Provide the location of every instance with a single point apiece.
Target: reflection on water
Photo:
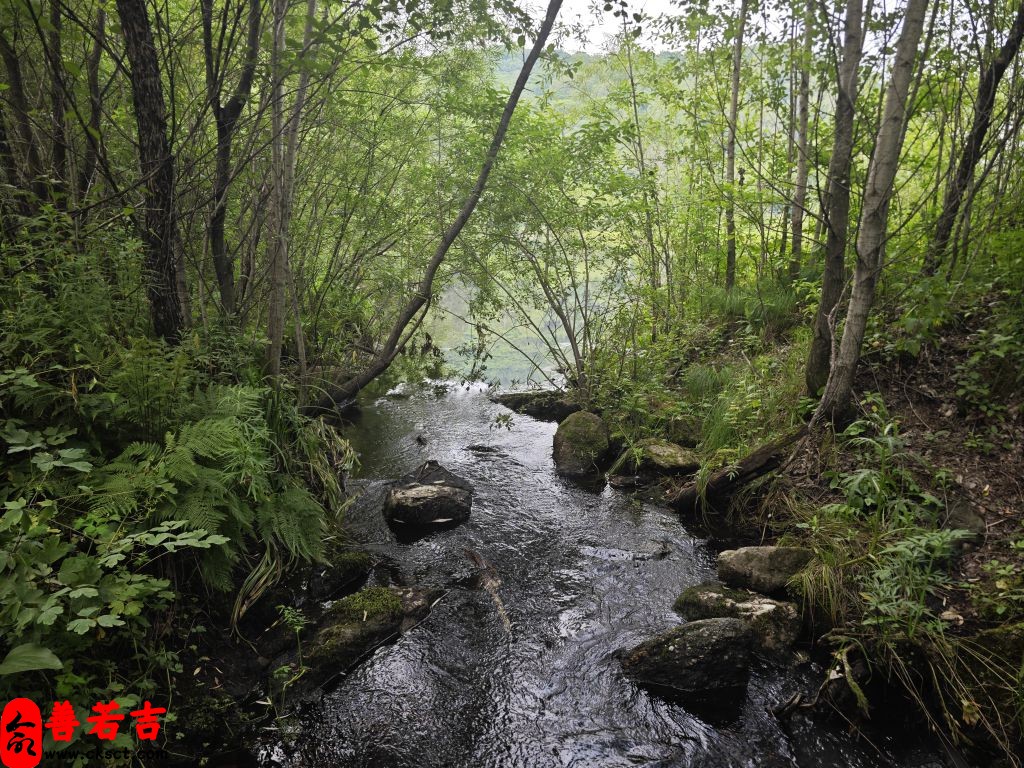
(582, 575)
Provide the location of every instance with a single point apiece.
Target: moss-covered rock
(357, 624)
(775, 624)
(372, 602)
(762, 569)
(655, 456)
(700, 662)
(581, 444)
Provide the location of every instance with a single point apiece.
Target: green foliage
(128, 468)
(994, 369)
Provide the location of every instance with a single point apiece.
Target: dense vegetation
(222, 220)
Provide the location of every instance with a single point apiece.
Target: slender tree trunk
(277, 239)
(837, 400)
(790, 140)
(800, 192)
(160, 236)
(836, 208)
(226, 118)
(398, 337)
(284, 153)
(92, 149)
(31, 165)
(646, 191)
(730, 151)
(988, 85)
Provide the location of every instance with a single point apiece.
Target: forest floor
(975, 458)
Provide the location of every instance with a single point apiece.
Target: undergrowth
(135, 475)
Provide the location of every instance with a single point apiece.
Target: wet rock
(544, 405)
(654, 456)
(762, 569)
(960, 516)
(775, 624)
(703, 662)
(428, 499)
(580, 445)
(362, 621)
(625, 482)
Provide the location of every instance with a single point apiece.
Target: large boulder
(775, 624)
(544, 404)
(655, 456)
(427, 499)
(702, 662)
(762, 569)
(581, 444)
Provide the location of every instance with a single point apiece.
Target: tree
(835, 208)
(802, 159)
(163, 267)
(411, 312)
(837, 399)
(225, 118)
(730, 150)
(973, 148)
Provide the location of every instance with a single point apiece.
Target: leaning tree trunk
(398, 337)
(837, 400)
(836, 207)
(988, 85)
(160, 234)
(730, 151)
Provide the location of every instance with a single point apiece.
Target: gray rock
(762, 569)
(581, 445)
(960, 516)
(430, 497)
(656, 456)
(701, 660)
(775, 624)
(544, 405)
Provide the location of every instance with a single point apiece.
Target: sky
(601, 24)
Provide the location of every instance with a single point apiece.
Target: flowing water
(583, 573)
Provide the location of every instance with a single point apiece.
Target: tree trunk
(160, 236)
(92, 148)
(730, 151)
(800, 192)
(837, 400)
(31, 165)
(285, 148)
(988, 85)
(277, 239)
(836, 207)
(398, 337)
(226, 118)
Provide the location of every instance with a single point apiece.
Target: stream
(583, 573)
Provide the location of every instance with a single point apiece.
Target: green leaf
(29, 657)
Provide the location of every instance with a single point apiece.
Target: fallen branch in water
(490, 582)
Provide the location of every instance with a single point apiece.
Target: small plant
(1000, 594)
(296, 621)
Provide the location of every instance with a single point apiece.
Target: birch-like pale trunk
(837, 399)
